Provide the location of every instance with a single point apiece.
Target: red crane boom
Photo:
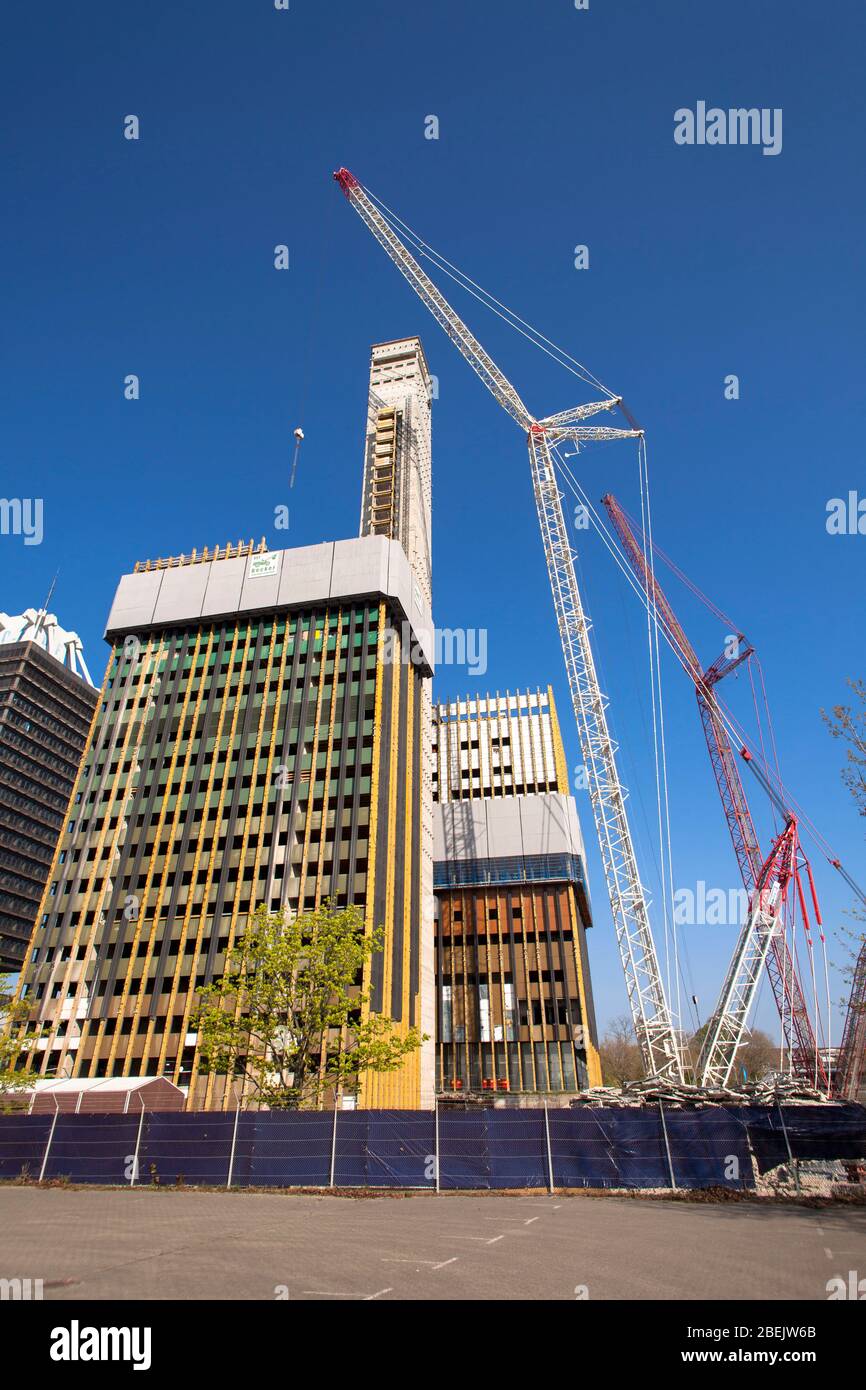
(781, 969)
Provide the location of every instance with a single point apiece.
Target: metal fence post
(791, 1157)
(50, 1137)
(549, 1151)
(667, 1146)
(436, 1139)
(234, 1144)
(334, 1146)
(134, 1174)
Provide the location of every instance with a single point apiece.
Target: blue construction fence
(649, 1147)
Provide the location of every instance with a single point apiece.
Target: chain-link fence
(654, 1146)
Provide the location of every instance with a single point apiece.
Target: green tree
(620, 1055)
(12, 1014)
(287, 1013)
(757, 1055)
(848, 723)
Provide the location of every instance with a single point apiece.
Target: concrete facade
(515, 1000)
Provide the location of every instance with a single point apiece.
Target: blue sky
(155, 257)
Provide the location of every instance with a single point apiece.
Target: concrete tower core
(396, 498)
(396, 501)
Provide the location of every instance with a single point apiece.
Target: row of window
(182, 746)
(446, 942)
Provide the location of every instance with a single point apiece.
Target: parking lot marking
(406, 1260)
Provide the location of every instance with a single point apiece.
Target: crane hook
(299, 435)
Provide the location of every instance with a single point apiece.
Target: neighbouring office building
(46, 707)
(515, 1001)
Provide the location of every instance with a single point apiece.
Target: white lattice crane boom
(628, 902)
(726, 1028)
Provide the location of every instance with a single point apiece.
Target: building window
(446, 1014)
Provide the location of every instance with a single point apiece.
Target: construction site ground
(167, 1243)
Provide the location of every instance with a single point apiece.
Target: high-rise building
(46, 707)
(252, 746)
(264, 736)
(515, 1002)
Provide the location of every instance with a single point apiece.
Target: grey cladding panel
(223, 593)
(505, 827)
(460, 830)
(545, 824)
(262, 590)
(306, 574)
(501, 827)
(134, 601)
(181, 593)
(360, 569)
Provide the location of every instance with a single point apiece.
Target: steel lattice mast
(629, 908)
(851, 1066)
(763, 925)
(781, 969)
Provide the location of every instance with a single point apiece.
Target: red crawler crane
(787, 991)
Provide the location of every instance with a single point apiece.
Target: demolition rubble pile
(652, 1089)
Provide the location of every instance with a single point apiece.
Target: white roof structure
(89, 1083)
(92, 1095)
(40, 626)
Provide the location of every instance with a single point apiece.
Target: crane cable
(773, 774)
(769, 776)
(684, 578)
(650, 618)
(657, 724)
(631, 580)
(829, 1067)
(759, 722)
(643, 453)
(648, 843)
(533, 335)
